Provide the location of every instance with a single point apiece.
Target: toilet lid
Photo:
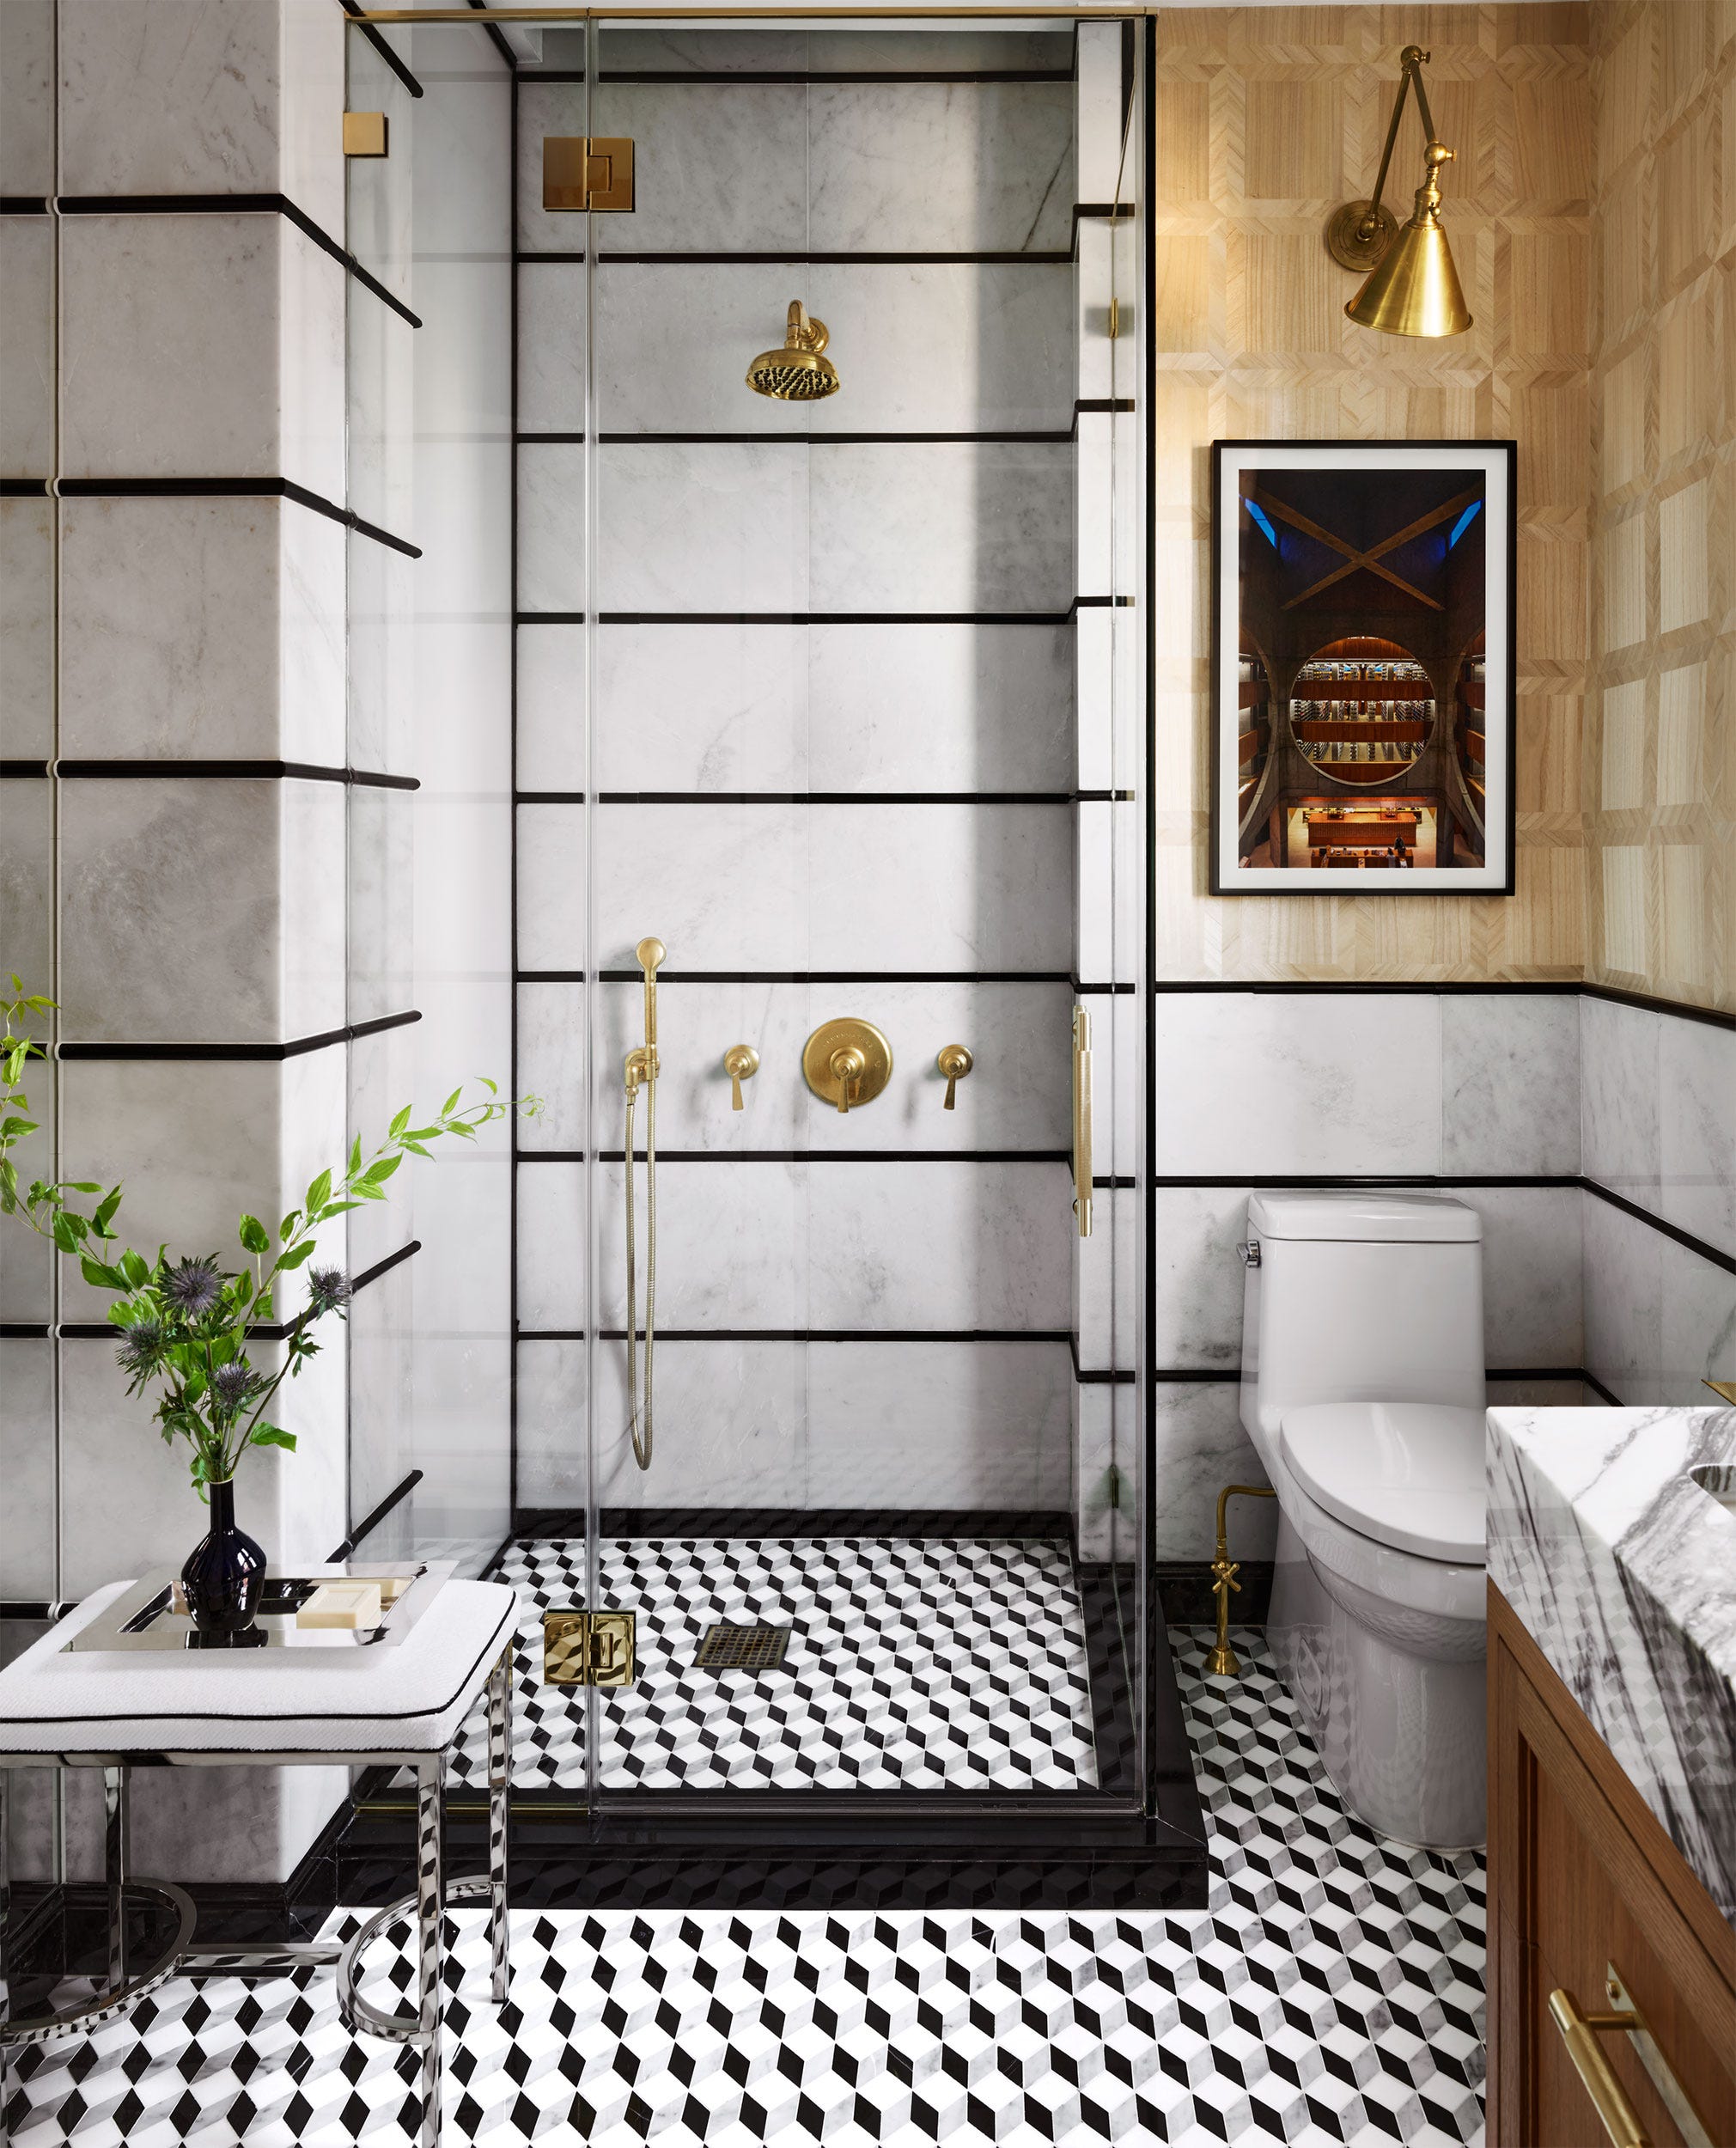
(1407, 1473)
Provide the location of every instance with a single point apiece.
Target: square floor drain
(742, 1647)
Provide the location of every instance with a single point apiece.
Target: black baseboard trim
(877, 1524)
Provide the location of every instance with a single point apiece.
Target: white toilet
(1363, 1391)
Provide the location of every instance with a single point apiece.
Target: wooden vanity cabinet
(1582, 1876)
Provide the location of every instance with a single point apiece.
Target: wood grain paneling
(1660, 730)
(1251, 342)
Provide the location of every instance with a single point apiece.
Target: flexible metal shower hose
(641, 1447)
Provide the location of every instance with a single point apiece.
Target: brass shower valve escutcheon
(954, 1061)
(847, 1063)
(740, 1064)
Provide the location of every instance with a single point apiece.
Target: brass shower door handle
(1082, 1119)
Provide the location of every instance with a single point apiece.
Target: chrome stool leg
(499, 1801)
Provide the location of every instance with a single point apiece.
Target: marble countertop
(1623, 1571)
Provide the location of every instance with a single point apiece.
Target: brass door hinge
(588, 171)
(588, 1648)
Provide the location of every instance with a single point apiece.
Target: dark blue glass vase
(225, 1575)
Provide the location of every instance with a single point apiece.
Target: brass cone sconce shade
(1412, 287)
(798, 372)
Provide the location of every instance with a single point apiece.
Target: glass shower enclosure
(745, 436)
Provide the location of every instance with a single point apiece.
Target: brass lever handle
(956, 1062)
(740, 1064)
(1579, 2033)
(848, 1066)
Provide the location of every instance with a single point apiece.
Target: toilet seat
(1407, 1474)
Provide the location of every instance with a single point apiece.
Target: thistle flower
(191, 1288)
(231, 1385)
(140, 1344)
(329, 1289)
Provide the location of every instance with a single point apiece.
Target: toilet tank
(1359, 1298)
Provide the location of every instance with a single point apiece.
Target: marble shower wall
(832, 761)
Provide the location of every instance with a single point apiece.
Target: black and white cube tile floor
(910, 1666)
(1331, 1994)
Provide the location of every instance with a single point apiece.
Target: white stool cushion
(410, 1699)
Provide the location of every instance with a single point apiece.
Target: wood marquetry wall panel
(1660, 742)
(1266, 118)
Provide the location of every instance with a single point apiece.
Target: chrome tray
(150, 1618)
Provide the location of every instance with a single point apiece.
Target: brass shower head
(797, 373)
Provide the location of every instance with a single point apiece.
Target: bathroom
(687, 564)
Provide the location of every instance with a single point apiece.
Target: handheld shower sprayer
(641, 1070)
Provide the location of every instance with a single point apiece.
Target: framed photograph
(1362, 667)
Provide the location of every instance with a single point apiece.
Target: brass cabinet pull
(1579, 2033)
(1082, 1119)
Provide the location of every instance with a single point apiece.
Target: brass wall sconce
(740, 1064)
(1412, 287)
(956, 1062)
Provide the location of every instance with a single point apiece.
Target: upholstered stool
(397, 1706)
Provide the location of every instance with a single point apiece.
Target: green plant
(43, 1205)
(186, 1324)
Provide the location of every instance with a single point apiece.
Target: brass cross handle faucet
(849, 1063)
(956, 1062)
(740, 1064)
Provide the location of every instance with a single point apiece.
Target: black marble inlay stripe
(233, 205)
(813, 977)
(1009, 437)
(1717, 1017)
(719, 78)
(24, 205)
(232, 771)
(22, 770)
(843, 798)
(23, 488)
(1098, 1376)
(1713, 1253)
(355, 9)
(1054, 258)
(270, 1331)
(1083, 985)
(1366, 987)
(805, 1155)
(1206, 1375)
(293, 1048)
(1596, 1387)
(812, 1334)
(797, 619)
(230, 489)
(733, 1524)
(1102, 403)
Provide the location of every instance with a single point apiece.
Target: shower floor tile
(1330, 1993)
(910, 1665)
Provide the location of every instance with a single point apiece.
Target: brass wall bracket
(589, 1648)
(592, 171)
(1223, 1662)
(365, 134)
(847, 1062)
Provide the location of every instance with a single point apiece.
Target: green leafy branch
(187, 1325)
(43, 1203)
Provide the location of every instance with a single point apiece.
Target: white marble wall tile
(380, 213)
(939, 166)
(1510, 1082)
(382, 892)
(27, 343)
(1095, 1492)
(1696, 1128)
(844, 1245)
(551, 1248)
(730, 1427)
(1198, 1324)
(923, 888)
(183, 98)
(27, 1467)
(995, 339)
(27, 630)
(26, 1279)
(550, 1064)
(714, 527)
(26, 854)
(1106, 1281)
(383, 643)
(204, 346)
(905, 707)
(1619, 1086)
(1532, 1296)
(1093, 479)
(1298, 1082)
(196, 1143)
(938, 1424)
(26, 97)
(222, 868)
(383, 1076)
(1698, 1327)
(382, 362)
(1623, 1302)
(552, 527)
(1017, 1096)
(1094, 695)
(1198, 1446)
(716, 170)
(945, 527)
(552, 887)
(382, 1434)
(551, 350)
(550, 701)
(553, 1467)
(1097, 109)
(209, 630)
(463, 144)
